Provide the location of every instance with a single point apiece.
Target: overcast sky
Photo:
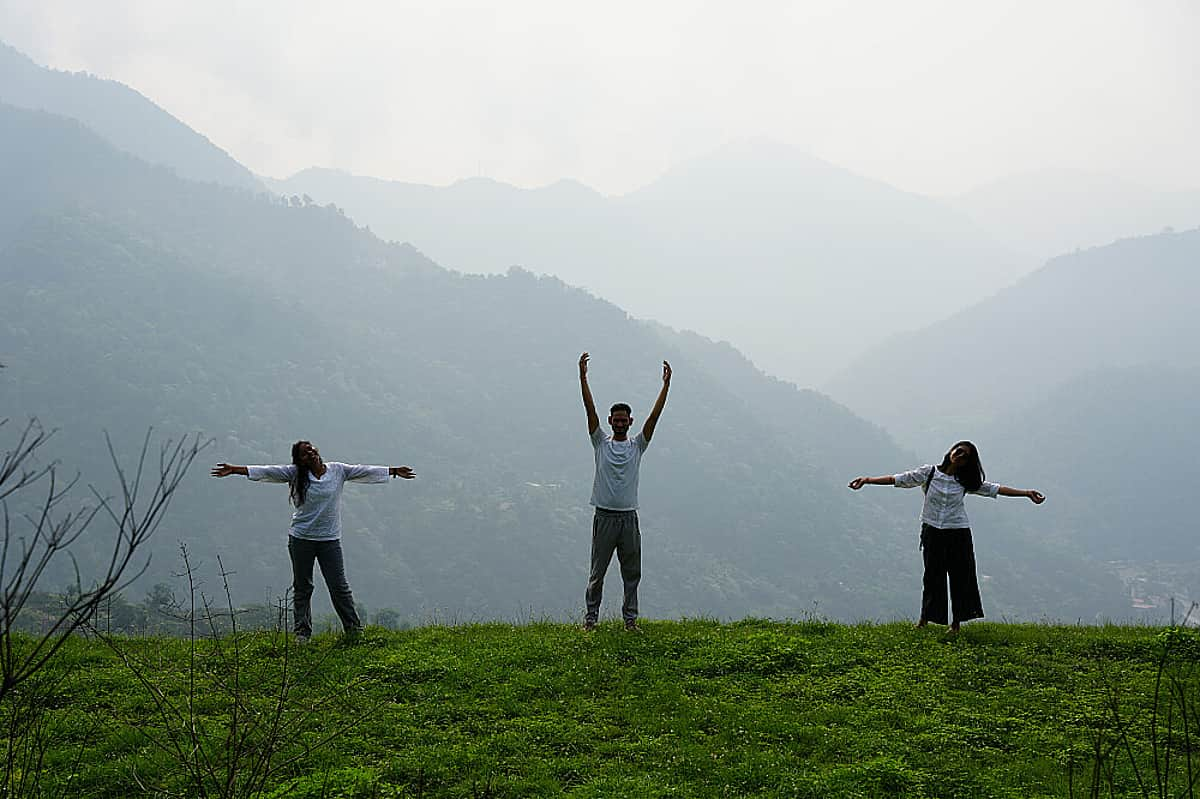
(934, 97)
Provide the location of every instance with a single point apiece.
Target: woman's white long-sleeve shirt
(319, 518)
(943, 506)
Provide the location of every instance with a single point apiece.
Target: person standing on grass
(315, 489)
(615, 497)
(946, 532)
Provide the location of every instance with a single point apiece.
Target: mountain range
(192, 305)
(846, 259)
(1127, 304)
(127, 119)
(132, 295)
(1052, 212)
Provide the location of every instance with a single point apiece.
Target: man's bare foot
(954, 627)
(921, 623)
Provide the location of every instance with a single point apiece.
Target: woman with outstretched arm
(946, 531)
(315, 489)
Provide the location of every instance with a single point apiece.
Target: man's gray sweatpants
(615, 529)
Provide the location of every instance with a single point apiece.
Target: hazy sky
(934, 97)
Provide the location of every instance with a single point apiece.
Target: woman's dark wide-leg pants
(949, 553)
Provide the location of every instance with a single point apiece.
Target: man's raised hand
(583, 364)
(666, 373)
(222, 470)
(402, 471)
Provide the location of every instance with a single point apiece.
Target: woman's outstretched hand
(858, 482)
(222, 470)
(401, 471)
(1037, 496)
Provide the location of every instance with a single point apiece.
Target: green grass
(689, 708)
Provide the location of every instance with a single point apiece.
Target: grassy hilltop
(690, 708)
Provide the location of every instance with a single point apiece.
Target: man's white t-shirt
(617, 463)
(320, 517)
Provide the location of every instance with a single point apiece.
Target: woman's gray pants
(615, 529)
(329, 554)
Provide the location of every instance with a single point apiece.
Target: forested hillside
(1111, 446)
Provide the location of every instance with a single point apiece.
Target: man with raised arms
(615, 497)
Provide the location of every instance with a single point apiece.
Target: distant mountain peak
(753, 153)
(8, 52)
(1052, 211)
(481, 180)
(321, 170)
(754, 147)
(760, 162)
(120, 114)
(1053, 181)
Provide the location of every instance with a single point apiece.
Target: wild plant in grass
(1154, 750)
(247, 709)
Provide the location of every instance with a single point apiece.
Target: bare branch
(24, 561)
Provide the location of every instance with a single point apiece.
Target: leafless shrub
(41, 535)
(217, 724)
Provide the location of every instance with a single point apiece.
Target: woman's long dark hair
(299, 484)
(970, 474)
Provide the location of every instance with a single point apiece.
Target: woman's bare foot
(921, 623)
(954, 627)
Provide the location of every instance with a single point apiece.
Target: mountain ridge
(843, 254)
(1051, 212)
(121, 115)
